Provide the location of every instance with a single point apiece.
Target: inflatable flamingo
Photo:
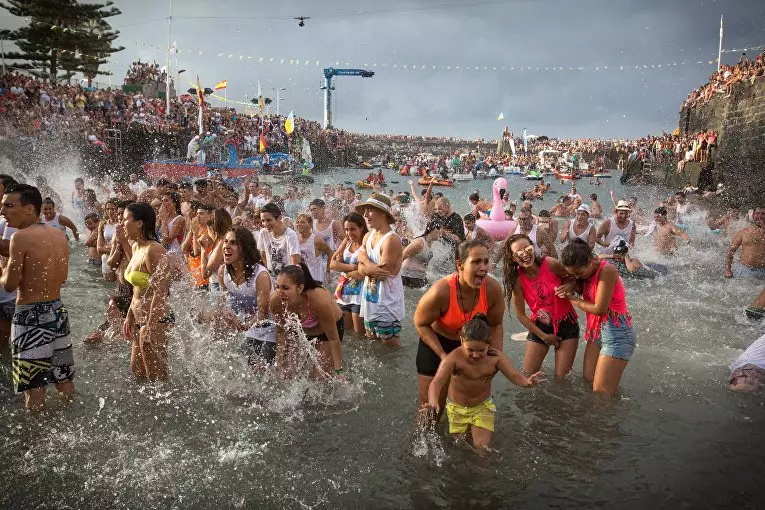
(497, 226)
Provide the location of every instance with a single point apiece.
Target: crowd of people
(723, 80)
(140, 73)
(332, 266)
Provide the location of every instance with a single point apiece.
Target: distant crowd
(723, 81)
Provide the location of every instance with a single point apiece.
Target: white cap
(585, 208)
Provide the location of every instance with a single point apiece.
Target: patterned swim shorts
(42, 349)
(383, 330)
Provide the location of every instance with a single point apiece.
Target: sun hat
(584, 207)
(378, 201)
(623, 205)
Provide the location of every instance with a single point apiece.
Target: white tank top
(54, 223)
(533, 236)
(109, 231)
(327, 234)
(583, 236)
(243, 300)
(470, 234)
(174, 246)
(614, 232)
(316, 264)
(5, 234)
(383, 300)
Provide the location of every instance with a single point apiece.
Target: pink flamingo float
(497, 226)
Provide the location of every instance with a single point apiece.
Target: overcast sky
(475, 33)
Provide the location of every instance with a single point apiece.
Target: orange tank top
(452, 321)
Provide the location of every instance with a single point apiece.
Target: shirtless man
(665, 233)
(618, 226)
(38, 266)
(751, 240)
(596, 211)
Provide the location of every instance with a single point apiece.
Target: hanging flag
(174, 48)
(500, 116)
(221, 85)
(260, 97)
(262, 146)
(200, 93)
(289, 123)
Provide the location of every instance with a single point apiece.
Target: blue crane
(329, 73)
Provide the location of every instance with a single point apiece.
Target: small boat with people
(425, 181)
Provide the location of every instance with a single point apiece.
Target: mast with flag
(223, 85)
(260, 98)
(201, 100)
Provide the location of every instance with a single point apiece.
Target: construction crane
(329, 73)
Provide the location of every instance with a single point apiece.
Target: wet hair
(305, 216)
(359, 221)
(92, 216)
(469, 217)
(544, 213)
(78, 180)
(661, 210)
(28, 195)
(474, 197)
(200, 183)
(272, 209)
(143, 212)
(221, 222)
(318, 203)
(176, 198)
(462, 250)
(477, 329)
(6, 180)
(248, 249)
(593, 196)
(186, 185)
(204, 207)
(576, 253)
(438, 195)
(680, 194)
(162, 182)
(621, 248)
(300, 275)
(510, 271)
(48, 201)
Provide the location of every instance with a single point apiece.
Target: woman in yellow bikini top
(149, 315)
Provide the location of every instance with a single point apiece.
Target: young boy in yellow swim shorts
(468, 372)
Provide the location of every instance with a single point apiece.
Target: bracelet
(338, 371)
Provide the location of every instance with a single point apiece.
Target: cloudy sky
(488, 34)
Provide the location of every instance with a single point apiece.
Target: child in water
(468, 372)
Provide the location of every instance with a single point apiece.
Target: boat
(270, 168)
(533, 176)
(364, 184)
(511, 170)
(607, 176)
(424, 181)
(566, 176)
(461, 177)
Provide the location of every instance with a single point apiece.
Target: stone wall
(740, 122)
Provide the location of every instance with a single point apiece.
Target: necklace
(462, 303)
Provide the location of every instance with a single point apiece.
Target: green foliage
(62, 36)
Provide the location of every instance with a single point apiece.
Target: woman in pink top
(610, 337)
(553, 321)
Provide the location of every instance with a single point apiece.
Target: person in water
(755, 312)
(346, 261)
(665, 233)
(580, 227)
(448, 304)
(751, 240)
(314, 251)
(632, 266)
(37, 267)
(467, 373)
(531, 280)
(610, 337)
(382, 302)
(320, 318)
(57, 220)
(620, 226)
(748, 371)
(149, 317)
(417, 255)
(246, 284)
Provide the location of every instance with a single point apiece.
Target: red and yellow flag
(221, 85)
(263, 145)
(200, 93)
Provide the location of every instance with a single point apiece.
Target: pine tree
(62, 35)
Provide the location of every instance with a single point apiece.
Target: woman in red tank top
(532, 281)
(449, 304)
(611, 340)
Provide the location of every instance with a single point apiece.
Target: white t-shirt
(278, 249)
(753, 355)
(138, 187)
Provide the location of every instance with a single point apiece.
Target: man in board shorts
(38, 265)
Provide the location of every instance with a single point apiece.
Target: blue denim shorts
(617, 340)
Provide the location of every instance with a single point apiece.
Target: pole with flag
(260, 98)
(201, 100)
(289, 123)
(223, 85)
(719, 51)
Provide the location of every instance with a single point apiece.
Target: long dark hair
(359, 221)
(576, 253)
(248, 249)
(462, 251)
(511, 268)
(300, 275)
(221, 222)
(176, 198)
(143, 212)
